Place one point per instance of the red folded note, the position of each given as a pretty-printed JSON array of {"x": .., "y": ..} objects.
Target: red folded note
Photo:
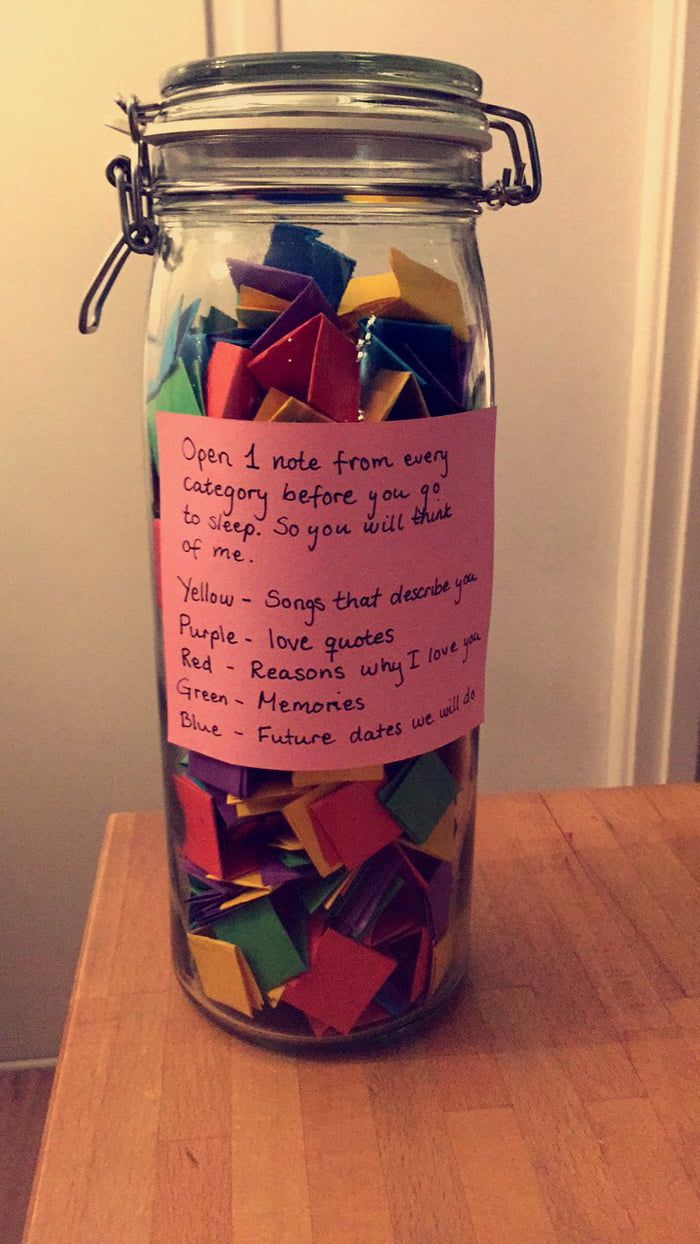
[
  {"x": 341, "y": 982},
  {"x": 355, "y": 822},
  {"x": 231, "y": 390},
  {"x": 201, "y": 845},
  {"x": 315, "y": 363}
]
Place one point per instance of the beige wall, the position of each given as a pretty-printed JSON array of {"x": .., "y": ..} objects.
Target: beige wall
[{"x": 78, "y": 703}]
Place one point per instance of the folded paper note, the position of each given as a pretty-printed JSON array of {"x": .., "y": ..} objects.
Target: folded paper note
[
  {"x": 371, "y": 890},
  {"x": 394, "y": 395},
  {"x": 419, "y": 795},
  {"x": 257, "y": 310},
  {"x": 430, "y": 349},
  {"x": 201, "y": 842},
  {"x": 354, "y": 822},
  {"x": 272, "y": 402},
  {"x": 227, "y": 812},
  {"x": 237, "y": 336},
  {"x": 278, "y": 407},
  {"x": 439, "y": 894},
  {"x": 434, "y": 877},
  {"x": 267, "y": 788},
  {"x": 298, "y": 815},
  {"x": 369, "y": 773},
  {"x": 427, "y": 295},
  {"x": 375, "y": 353},
  {"x": 361, "y": 290},
  {"x": 269, "y": 950},
  {"x": 178, "y": 327},
  {"x": 404, "y": 914},
  {"x": 443, "y": 841},
  {"x": 410, "y": 978},
  {"x": 443, "y": 956},
  {"x": 343, "y": 979},
  {"x": 303, "y": 295},
  {"x": 230, "y": 390},
  {"x": 223, "y": 972},
  {"x": 255, "y": 995},
  {"x": 315, "y": 893},
  {"x": 299, "y": 249},
  {"x": 194, "y": 352},
  {"x": 175, "y": 394},
  {"x": 230, "y": 778},
  {"x": 217, "y": 323},
  {"x": 254, "y": 318},
  {"x": 260, "y": 300},
  {"x": 315, "y": 363}
]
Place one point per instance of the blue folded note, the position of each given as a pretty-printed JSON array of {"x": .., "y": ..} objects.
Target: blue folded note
[{"x": 299, "y": 249}]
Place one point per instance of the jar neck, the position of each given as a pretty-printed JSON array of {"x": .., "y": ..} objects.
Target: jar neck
[{"x": 300, "y": 162}]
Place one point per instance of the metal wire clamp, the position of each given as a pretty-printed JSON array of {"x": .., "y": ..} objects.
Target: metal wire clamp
[{"x": 139, "y": 231}]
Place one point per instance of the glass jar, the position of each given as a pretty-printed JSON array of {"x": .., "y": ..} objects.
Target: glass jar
[{"x": 318, "y": 298}]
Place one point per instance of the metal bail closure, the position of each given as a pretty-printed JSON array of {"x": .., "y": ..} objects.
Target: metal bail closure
[
  {"x": 139, "y": 232},
  {"x": 513, "y": 189}
]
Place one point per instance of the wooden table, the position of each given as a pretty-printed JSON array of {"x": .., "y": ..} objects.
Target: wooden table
[{"x": 557, "y": 1101}]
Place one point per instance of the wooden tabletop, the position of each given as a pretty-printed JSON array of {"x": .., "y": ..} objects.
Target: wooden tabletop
[{"x": 556, "y": 1101}]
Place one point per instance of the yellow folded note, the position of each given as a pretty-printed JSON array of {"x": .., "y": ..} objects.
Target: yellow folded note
[
  {"x": 267, "y": 798},
  {"x": 273, "y": 401},
  {"x": 362, "y": 289},
  {"x": 223, "y": 972},
  {"x": 260, "y": 300},
  {"x": 255, "y": 997},
  {"x": 249, "y": 897},
  {"x": 394, "y": 391},
  {"x": 428, "y": 295},
  {"x": 258, "y": 807},
  {"x": 294, "y": 411},
  {"x": 254, "y": 881},
  {"x": 287, "y": 842},
  {"x": 317, "y": 777}
]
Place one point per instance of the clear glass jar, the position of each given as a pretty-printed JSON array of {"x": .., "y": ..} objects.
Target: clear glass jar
[{"x": 316, "y": 908}]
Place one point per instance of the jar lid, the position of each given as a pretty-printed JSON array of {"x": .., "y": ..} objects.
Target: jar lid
[
  {"x": 325, "y": 68},
  {"x": 334, "y": 91}
]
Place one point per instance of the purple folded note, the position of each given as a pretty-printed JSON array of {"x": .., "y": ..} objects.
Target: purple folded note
[
  {"x": 276, "y": 873},
  {"x": 227, "y": 811},
  {"x": 373, "y": 881},
  {"x": 304, "y": 297},
  {"x": 233, "y": 779}
]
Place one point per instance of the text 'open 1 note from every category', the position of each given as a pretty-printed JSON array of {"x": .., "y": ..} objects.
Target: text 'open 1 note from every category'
[{"x": 325, "y": 606}]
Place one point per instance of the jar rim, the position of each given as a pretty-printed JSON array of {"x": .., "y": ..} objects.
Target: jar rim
[{"x": 423, "y": 75}]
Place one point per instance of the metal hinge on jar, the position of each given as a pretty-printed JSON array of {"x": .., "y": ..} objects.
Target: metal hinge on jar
[
  {"x": 512, "y": 189},
  {"x": 139, "y": 231}
]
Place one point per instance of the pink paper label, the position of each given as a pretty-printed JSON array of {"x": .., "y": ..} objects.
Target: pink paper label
[{"x": 326, "y": 588}]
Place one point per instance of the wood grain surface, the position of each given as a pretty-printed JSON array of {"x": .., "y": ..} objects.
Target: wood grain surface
[{"x": 556, "y": 1101}]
